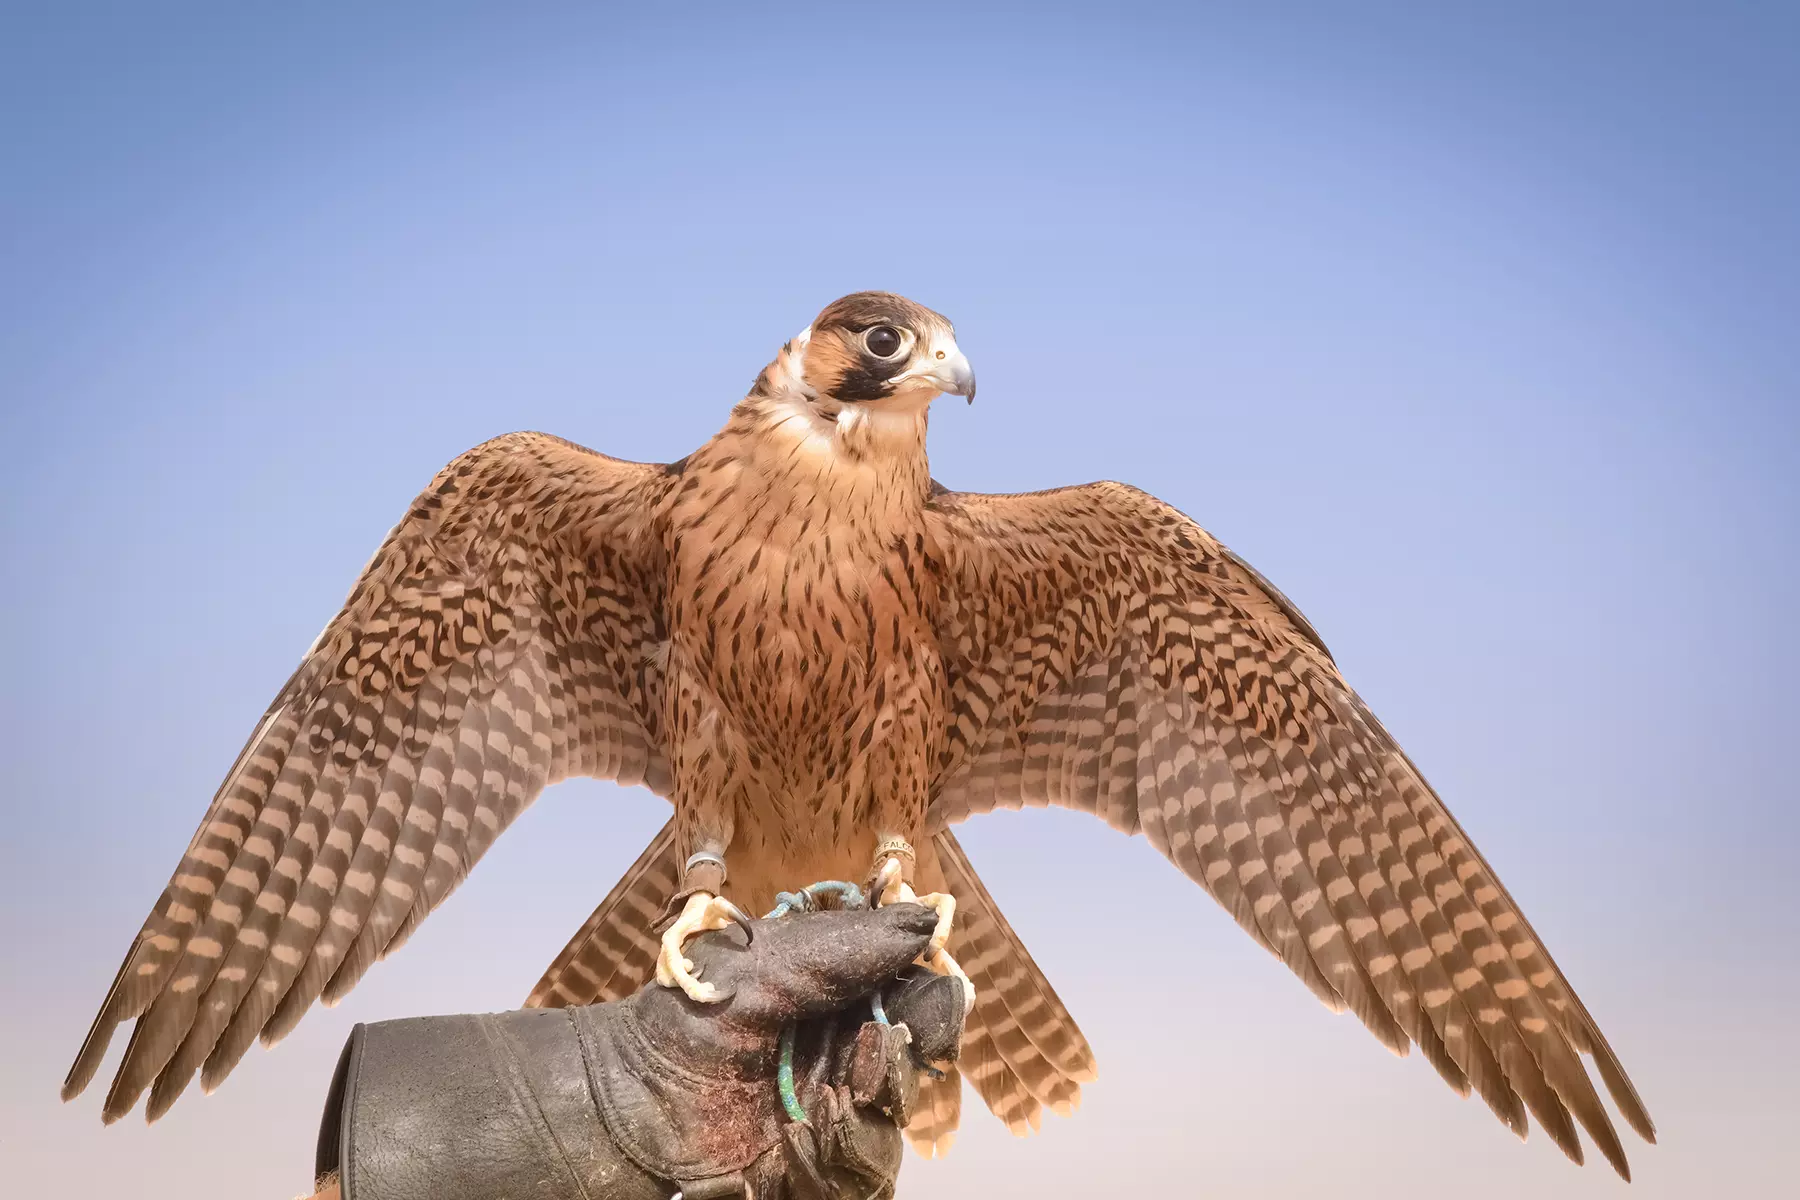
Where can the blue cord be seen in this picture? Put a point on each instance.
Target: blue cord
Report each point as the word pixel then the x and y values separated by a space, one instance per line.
pixel 785 903
pixel 849 896
pixel 784 1079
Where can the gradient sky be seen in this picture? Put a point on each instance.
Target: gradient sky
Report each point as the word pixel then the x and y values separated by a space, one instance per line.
pixel 1473 327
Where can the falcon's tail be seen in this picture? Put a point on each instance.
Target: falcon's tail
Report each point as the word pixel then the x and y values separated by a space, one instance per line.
pixel 1021 1049
pixel 614 951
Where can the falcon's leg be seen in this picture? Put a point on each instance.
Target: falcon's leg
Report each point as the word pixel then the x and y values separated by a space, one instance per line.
pixel 890 887
pixel 702 912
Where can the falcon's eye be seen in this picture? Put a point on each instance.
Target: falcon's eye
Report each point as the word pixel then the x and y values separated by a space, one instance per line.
pixel 883 341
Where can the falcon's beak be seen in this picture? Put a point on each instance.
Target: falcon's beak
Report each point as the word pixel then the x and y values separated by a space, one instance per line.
pixel 955 374
pixel 945 369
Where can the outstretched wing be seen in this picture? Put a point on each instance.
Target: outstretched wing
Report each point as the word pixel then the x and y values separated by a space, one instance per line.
pixel 502 637
pixel 1106 654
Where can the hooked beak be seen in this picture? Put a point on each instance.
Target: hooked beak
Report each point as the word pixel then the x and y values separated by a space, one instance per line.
pixel 945 369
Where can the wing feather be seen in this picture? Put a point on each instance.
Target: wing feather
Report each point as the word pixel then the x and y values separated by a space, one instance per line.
pixel 289 983
pixel 501 637
pixel 614 951
pixel 1106 654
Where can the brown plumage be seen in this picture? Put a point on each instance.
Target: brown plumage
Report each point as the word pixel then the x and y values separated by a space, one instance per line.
pixel 811 648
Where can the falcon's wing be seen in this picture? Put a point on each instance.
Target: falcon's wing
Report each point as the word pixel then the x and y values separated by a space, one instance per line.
pixel 1106 654
pixel 502 637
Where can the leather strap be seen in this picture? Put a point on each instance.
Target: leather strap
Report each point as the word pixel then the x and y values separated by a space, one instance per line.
pixel 704 871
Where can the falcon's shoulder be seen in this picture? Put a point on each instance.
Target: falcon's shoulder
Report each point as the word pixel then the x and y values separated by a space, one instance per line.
pixel 1068 571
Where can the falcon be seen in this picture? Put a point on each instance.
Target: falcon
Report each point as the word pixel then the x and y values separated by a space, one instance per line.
pixel 825 660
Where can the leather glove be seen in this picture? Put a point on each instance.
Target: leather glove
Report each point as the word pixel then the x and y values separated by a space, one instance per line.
pixel 863 1085
pixel 644 1097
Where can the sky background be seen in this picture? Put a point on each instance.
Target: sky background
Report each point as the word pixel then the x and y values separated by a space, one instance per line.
pixel 1473 328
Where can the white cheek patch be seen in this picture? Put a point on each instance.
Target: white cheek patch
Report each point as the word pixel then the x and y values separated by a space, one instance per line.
pixel 796 356
pixel 787 374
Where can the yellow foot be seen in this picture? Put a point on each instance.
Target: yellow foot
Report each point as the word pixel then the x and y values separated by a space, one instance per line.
pixel 890 888
pixel 702 912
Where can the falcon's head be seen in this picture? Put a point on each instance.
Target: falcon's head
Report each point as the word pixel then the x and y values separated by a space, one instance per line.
pixel 880 351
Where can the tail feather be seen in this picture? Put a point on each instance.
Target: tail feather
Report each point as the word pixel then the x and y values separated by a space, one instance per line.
pixel 1028 995
pixel 614 951
pixel 1021 1049
pixel 932 1129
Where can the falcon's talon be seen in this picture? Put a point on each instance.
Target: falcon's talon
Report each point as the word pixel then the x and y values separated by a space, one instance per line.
pixel 702 913
pixel 886 876
pixel 936 957
pixel 943 903
pixel 891 888
pixel 739 918
pixel 941 962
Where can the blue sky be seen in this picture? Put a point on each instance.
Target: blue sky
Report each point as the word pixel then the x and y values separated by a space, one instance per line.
pixel 1473 329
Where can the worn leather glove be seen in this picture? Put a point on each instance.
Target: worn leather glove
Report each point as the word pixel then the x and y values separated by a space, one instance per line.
pixel 640 1098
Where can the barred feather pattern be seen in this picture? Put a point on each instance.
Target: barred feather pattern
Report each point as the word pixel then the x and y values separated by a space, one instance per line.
pixel 1021 1051
pixel 502 637
pixel 937 1113
pixel 1106 654
pixel 613 954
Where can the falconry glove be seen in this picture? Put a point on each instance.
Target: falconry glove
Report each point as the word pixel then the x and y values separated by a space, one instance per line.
pixel 796 1085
